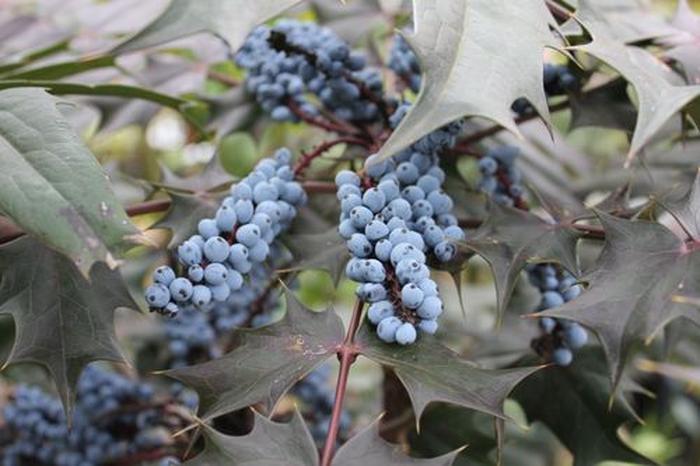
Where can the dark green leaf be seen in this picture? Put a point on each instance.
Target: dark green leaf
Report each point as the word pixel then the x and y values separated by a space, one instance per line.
pixel 186 210
pixel 606 107
pixel 52 186
pixel 63 322
pixel 574 402
pixel 232 20
pixel 265 362
pixel 432 372
pixel 456 43
pixel 639 270
pixel 268 444
pixel 510 238
pixel 325 251
pixel 368 448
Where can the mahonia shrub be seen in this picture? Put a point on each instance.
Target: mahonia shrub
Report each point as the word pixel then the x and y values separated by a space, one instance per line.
pixel 366 233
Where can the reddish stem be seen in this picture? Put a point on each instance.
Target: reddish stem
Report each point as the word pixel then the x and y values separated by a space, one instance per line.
pixel 306 158
pixel 335 126
pixel 347 353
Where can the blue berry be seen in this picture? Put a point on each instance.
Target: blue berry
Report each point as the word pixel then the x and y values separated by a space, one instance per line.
pixel 216 249
pixel 207 228
pixel 164 275
pixel 411 296
pixel 181 289
pixel 226 218
pixel 562 357
pixel 157 295
pixel 379 311
pixel 575 336
pixel 189 253
pixel 201 296
pixel 430 308
pixel 248 235
pixel 386 329
pixel 215 274
pixel 406 334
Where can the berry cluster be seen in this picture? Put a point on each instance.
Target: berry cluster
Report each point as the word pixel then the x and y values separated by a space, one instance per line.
pixel 391 222
pixel 292 59
pixel 500 178
pixel 195 337
pixel 260 206
pixel 115 419
pixel 405 64
pixel 558 80
pixel 561 337
pixel 318 399
pixel 501 181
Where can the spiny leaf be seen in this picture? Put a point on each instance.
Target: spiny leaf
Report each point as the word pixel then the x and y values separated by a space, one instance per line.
pixel 432 372
pixel 186 210
pixel 685 43
pixel 368 448
pixel 52 186
pixel 63 322
pixel 232 20
pixel 265 362
pixel 268 444
pixel 325 251
pixel 579 395
pixel 629 298
pixel 658 91
pixel 510 238
pixel 466 48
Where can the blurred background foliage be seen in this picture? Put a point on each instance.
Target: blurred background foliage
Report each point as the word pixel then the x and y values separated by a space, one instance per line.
pixel 146 146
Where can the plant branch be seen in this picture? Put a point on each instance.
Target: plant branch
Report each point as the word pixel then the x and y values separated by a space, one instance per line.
pixel 308 157
pixel 347 353
pixel 335 126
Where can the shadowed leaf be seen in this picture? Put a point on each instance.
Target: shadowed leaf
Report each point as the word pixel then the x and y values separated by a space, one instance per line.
pixel 579 395
pixel 265 362
pixel 186 210
pixel 325 251
pixel 629 298
pixel 268 444
pixel 53 187
pixel 510 238
pixel 63 322
pixel 368 448
pixel 432 372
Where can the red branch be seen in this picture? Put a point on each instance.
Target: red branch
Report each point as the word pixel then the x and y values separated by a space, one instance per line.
pixel 347 354
pixel 335 126
pixel 307 157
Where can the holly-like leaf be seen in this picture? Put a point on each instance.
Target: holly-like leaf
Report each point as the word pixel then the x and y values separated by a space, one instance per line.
pixel 465 48
pixel 326 251
pixel 606 107
pixel 368 448
pixel 268 444
pixel 265 362
pixel 53 187
pixel 231 20
pixel 660 95
pixel 579 395
pixel 629 299
pixel 63 322
pixel 685 43
pixel 510 238
pixel 186 210
pixel 432 372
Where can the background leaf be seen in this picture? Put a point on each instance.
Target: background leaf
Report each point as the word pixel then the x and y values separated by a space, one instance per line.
pixel 63 322
pixel 52 186
pixel 232 20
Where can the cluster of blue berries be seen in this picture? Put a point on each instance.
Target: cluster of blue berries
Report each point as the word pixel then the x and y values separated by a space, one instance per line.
pixel 501 180
pixel 115 418
pixel 393 220
pixel 405 64
pixel 293 59
pixel 500 177
pixel 561 337
pixel 317 409
pixel 195 337
pixel 227 246
pixel 558 80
